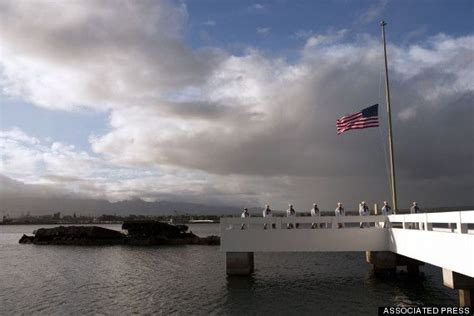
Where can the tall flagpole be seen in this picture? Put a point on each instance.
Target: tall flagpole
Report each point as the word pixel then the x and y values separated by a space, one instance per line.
pixel 390 134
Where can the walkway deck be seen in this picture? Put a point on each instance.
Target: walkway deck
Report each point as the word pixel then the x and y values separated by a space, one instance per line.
pixel 441 239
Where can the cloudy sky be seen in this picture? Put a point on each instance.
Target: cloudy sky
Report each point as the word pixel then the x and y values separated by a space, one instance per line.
pixel 235 102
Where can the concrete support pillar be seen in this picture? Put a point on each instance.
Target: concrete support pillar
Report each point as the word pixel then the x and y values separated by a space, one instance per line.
pixel 239 263
pixel 388 261
pixel 413 265
pixel 413 269
pixel 466 297
pixel 460 282
pixel 382 261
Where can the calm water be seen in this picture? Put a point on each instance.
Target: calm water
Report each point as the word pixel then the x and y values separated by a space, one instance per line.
pixel 192 280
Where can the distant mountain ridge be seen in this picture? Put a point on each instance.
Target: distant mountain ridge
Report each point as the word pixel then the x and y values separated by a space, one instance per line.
pixel 18 198
pixel 40 206
pixel 95 207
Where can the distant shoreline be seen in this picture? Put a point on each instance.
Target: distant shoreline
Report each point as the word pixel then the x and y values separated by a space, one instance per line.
pixel 57 219
pixel 93 223
pixel 58 223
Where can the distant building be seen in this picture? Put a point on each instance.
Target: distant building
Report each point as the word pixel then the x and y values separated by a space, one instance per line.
pixel 4 218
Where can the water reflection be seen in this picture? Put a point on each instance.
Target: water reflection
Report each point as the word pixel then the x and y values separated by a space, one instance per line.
pixel 240 282
pixel 192 280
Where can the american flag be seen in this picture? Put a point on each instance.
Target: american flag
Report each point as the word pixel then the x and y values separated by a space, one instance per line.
pixel 366 118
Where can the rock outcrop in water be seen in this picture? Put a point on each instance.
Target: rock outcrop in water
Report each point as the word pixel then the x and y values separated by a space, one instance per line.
pixel 74 235
pixel 139 233
pixel 158 233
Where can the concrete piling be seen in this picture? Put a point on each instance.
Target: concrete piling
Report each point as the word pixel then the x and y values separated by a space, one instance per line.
pixel 239 263
pixel 382 261
pixel 389 261
pixel 460 282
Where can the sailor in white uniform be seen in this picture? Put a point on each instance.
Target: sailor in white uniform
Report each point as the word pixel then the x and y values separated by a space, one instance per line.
pixel 267 212
pixel 315 213
pixel 386 210
pixel 339 211
pixel 364 211
pixel 415 209
pixel 245 214
pixel 290 213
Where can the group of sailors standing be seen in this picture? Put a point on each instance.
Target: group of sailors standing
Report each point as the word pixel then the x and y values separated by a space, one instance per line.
pixel 339 211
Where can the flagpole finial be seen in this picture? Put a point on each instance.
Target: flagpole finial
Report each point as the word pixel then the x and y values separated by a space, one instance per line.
pixel 382 23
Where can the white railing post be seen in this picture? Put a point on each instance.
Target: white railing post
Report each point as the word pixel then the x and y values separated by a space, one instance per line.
pixel 451 228
pixel 460 227
pixel 428 226
pixel 404 225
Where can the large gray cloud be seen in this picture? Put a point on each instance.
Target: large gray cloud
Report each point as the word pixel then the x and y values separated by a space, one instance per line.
pixel 287 127
pixel 96 54
pixel 260 122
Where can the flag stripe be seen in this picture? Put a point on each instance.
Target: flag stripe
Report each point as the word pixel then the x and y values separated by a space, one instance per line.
pixel 358 124
pixel 362 119
pixel 353 117
pixel 344 130
pixel 366 118
pixel 356 127
pixel 349 117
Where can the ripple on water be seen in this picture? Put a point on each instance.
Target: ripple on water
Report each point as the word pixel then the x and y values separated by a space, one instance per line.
pixel 191 279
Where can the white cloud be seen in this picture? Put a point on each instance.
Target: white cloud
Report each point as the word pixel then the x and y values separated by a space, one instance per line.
pixel 210 23
pixel 57 170
pixel 244 126
pixel 304 34
pixel 263 30
pixel 326 39
pixel 75 46
pixel 373 12
pixel 257 6
pixel 407 114
pixel 25 156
